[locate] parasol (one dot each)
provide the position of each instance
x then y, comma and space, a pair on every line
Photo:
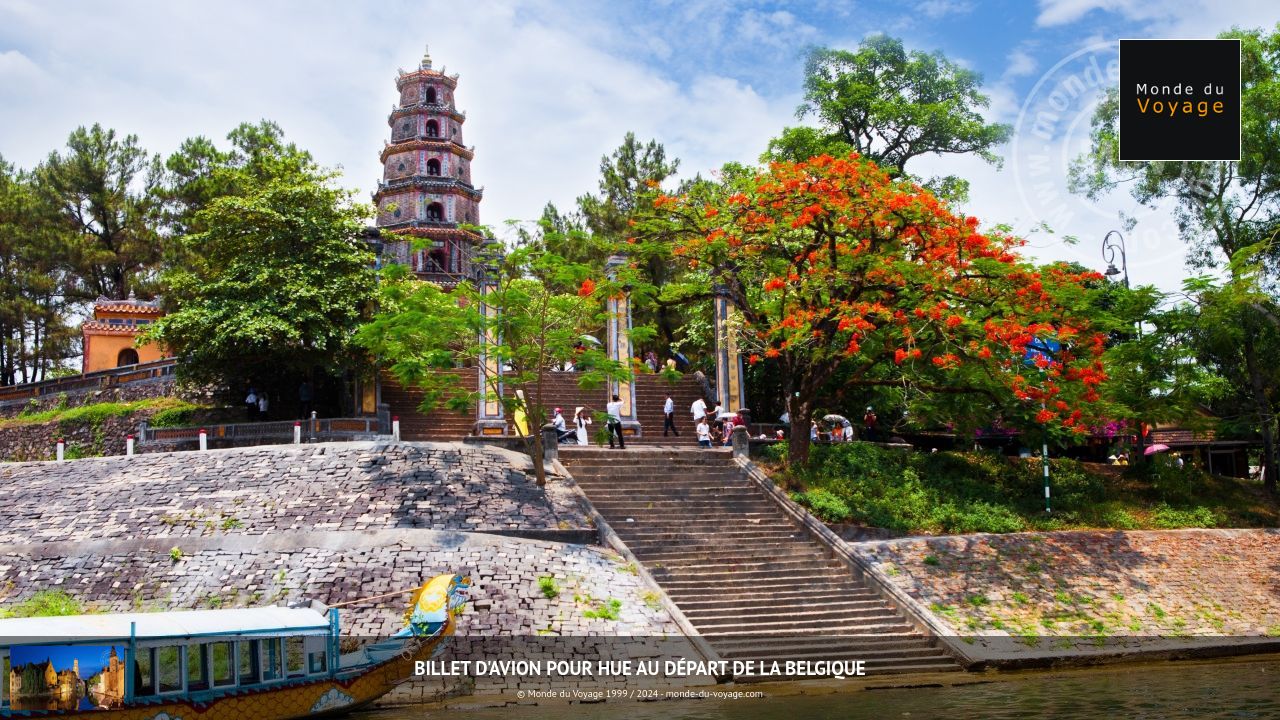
1158, 447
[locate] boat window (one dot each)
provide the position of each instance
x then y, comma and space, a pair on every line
168, 664
247, 662
272, 659
197, 667
317, 654
220, 662
295, 657
143, 673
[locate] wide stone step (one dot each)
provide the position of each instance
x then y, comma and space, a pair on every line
793, 617
888, 625
741, 503
720, 554
816, 644
784, 598
796, 608
783, 565
734, 587
646, 538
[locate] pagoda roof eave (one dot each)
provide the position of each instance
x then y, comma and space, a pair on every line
436, 144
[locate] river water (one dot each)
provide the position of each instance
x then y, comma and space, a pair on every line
1172, 691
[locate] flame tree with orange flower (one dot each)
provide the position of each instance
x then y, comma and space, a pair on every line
833, 262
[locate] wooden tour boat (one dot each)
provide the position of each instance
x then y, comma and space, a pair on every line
265, 663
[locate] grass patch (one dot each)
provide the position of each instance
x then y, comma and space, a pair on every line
968, 492
549, 587
46, 603
169, 409
606, 610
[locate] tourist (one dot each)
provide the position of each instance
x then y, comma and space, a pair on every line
814, 432
869, 424
846, 430
581, 419
651, 361
262, 406
699, 410
669, 417
518, 416
615, 422
704, 432
251, 405
562, 432
304, 399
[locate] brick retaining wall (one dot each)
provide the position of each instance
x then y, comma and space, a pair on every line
1046, 598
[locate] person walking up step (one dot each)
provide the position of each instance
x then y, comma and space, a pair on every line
615, 422
669, 417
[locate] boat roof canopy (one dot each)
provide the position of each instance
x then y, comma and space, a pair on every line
78, 629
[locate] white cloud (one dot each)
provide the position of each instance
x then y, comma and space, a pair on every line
546, 91
1021, 63
937, 9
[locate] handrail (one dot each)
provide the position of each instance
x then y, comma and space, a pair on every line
97, 379
317, 429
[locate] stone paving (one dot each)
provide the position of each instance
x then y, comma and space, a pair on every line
327, 486
1079, 591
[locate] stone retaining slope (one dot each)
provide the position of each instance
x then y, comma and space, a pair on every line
334, 567
327, 486
337, 522
1030, 599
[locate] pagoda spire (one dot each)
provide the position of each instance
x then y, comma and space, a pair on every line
426, 190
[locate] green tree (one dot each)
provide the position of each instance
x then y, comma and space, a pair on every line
627, 177
36, 336
519, 322
283, 280
890, 106
104, 188
1224, 210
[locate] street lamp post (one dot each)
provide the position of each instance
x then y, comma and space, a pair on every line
1109, 248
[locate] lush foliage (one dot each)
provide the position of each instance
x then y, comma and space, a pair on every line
514, 320
276, 276
891, 106
1228, 213
950, 492
832, 262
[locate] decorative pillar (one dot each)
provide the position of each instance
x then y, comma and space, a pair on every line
731, 391
490, 418
619, 347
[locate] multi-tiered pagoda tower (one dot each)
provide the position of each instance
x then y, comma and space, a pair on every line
426, 188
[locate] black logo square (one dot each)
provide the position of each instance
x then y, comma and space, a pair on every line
1179, 100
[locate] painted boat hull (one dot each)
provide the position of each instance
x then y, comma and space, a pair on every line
303, 698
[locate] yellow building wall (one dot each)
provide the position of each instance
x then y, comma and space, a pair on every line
103, 351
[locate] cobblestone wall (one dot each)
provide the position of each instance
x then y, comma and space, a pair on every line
508, 610
327, 486
1092, 591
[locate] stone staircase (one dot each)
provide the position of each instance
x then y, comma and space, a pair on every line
441, 423
750, 580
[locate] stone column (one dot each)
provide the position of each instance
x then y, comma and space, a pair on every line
618, 345
490, 418
730, 389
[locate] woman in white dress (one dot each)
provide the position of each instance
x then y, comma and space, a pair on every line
581, 419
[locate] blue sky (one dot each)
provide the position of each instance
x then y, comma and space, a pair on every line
551, 86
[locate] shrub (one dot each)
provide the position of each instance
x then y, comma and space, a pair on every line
825, 504
176, 416
606, 610
1169, 518
46, 603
